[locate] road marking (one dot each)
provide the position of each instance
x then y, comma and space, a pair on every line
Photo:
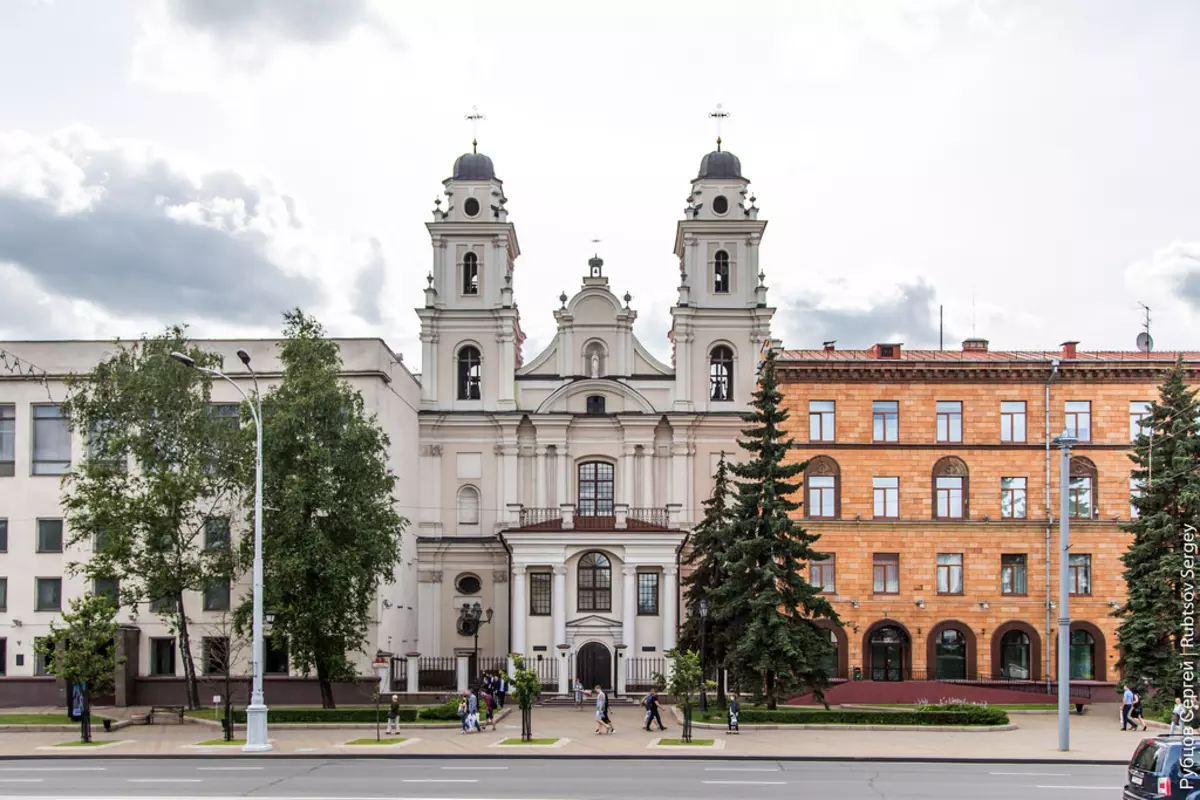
162, 780
439, 780
472, 768
53, 769
739, 769
21, 780
1037, 774
749, 783
229, 769
1079, 787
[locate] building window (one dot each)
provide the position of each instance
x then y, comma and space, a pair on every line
3, 594
51, 441
887, 573
1136, 487
1012, 498
470, 374
647, 598
885, 416
950, 488
48, 593
1012, 421
822, 476
470, 274
468, 584
950, 655
49, 535
1013, 574
887, 497
1081, 490
275, 659
1079, 419
595, 583
108, 587
540, 587
821, 420
1079, 574
8, 441
216, 655
163, 605
821, 575
950, 573
3, 536
720, 374
596, 489
42, 662
1015, 660
216, 596
216, 533
468, 506
949, 420
1083, 656
1139, 411
721, 272
162, 656
595, 404
3, 657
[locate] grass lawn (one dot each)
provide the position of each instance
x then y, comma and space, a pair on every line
92, 743
519, 741
1001, 706
220, 742
377, 741
42, 719
682, 743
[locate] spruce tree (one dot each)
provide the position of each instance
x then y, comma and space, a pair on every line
1165, 462
709, 547
764, 599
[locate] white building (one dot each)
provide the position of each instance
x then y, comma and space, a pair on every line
556, 491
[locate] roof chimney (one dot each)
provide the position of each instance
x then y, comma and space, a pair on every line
1068, 349
975, 345
887, 350
829, 346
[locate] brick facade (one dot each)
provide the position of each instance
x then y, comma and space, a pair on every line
982, 613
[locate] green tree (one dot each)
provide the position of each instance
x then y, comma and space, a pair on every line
765, 599
525, 686
685, 679
162, 465
83, 652
331, 536
1166, 456
710, 545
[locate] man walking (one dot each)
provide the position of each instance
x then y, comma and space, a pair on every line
393, 717
652, 712
1126, 707
501, 689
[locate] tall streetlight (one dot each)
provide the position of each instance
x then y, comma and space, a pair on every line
257, 740
1064, 443
474, 617
703, 663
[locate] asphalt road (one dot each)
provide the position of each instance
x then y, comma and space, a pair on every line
584, 779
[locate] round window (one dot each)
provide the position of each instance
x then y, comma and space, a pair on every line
468, 584
471, 207
720, 204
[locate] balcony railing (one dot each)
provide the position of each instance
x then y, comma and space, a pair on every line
565, 517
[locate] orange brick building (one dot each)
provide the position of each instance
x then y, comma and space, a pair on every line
927, 481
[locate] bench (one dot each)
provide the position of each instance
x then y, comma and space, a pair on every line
168, 711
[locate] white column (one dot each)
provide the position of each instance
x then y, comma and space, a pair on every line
542, 501
462, 667
679, 474
670, 599
559, 604
629, 612
413, 676
512, 475
627, 476
520, 609
563, 491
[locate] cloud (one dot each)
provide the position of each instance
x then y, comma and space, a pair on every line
1171, 276
308, 21
368, 289
907, 313
123, 228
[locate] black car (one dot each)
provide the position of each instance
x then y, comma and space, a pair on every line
1162, 768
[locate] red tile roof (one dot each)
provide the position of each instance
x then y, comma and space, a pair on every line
968, 356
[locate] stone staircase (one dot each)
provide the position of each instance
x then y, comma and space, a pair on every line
566, 701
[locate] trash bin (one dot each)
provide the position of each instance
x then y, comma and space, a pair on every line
107, 725
858, 673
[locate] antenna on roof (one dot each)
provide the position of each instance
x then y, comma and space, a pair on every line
1145, 342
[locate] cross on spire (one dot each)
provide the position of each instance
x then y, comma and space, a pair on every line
475, 117
719, 115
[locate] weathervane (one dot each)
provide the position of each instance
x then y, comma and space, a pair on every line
475, 118
719, 115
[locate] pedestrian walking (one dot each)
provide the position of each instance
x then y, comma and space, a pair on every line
473, 712
1176, 717
652, 710
501, 690
393, 717
462, 713
1126, 707
489, 705
735, 708
603, 724
578, 688
1135, 713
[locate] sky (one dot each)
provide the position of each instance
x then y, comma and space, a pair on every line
1029, 166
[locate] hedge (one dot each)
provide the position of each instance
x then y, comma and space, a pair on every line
981, 715
331, 715
445, 712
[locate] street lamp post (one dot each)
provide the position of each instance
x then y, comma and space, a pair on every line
703, 663
257, 740
474, 617
1064, 443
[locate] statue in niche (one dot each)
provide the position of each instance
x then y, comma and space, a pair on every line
595, 366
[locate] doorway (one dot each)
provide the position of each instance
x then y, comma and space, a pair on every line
593, 665
889, 654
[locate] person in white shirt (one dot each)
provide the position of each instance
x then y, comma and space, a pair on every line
1176, 717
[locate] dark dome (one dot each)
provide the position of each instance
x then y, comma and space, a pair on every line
720, 164
474, 167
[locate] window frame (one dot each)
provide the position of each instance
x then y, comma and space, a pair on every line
1012, 493
648, 582
596, 504
469, 274
948, 569
1135, 417
720, 279
40, 544
541, 587
463, 511
879, 420
208, 656
1071, 419
217, 596
720, 373
817, 569
596, 404
1009, 417
8, 440
884, 490
219, 541
468, 373
34, 460
115, 595
3, 594
820, 417
37, 595
3, 535
271, 648
826, 470
1137, 487
1083, 469
1075, 571
598, 593
951, 468
887, 562
1009, 564
948, 414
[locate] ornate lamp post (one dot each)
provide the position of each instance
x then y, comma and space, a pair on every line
474, 617
703, 662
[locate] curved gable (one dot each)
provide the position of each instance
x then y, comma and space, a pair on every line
557, 402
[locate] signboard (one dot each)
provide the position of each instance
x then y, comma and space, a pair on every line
216, 699
75, 704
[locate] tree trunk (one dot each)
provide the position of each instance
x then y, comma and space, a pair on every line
326, 688
771, 700
185, 648
85, 719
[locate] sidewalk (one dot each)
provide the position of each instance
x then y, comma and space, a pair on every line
1094, 737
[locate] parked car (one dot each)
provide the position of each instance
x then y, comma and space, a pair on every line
1156, 771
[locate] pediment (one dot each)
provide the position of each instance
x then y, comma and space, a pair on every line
557, 402
594, 621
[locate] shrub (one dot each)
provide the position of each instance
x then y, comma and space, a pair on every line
318, 715
441, 713
979, 716
977, 713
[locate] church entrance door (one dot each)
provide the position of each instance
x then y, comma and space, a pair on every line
593, 665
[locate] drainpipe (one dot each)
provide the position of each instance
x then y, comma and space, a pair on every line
508, 550
1049, 523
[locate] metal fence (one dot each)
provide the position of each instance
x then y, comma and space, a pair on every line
437, 674
399, 673
547, 672
641, 672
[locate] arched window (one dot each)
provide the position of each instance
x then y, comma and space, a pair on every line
470, 373
950, 661
720, 374
468, 506
823, 479
950, 489
596, 489
1015, 660
595, 583
721, 272
1083, 656
470, 274
1081, 492
831, 661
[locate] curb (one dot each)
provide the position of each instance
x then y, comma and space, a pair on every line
117, 724
713, 726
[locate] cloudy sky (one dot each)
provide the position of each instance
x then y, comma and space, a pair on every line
1031, 165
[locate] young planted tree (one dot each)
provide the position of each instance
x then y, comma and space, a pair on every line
162, 464
526, 687
710, 545
686, 679
1166, 457
764, 599
331, 534
229, 647
83, 652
